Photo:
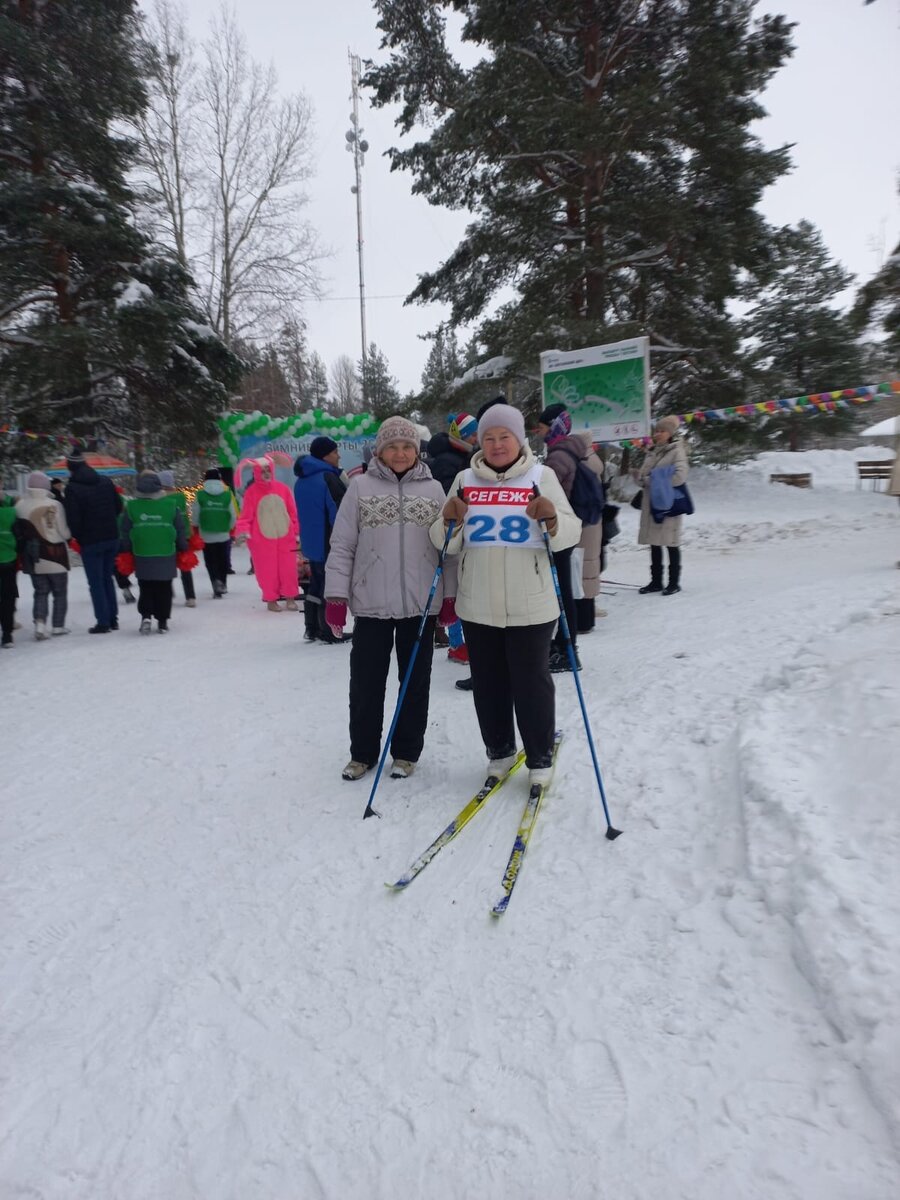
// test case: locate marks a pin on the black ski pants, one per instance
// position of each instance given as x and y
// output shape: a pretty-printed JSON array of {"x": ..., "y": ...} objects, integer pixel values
[
  {"x": 370, "y": 661},
  {"x": 511, "y": 676},
  {"x": 9, "y": 593},
  {"x": 155, "y": 598},
  {"x": 215, "y": 559}
]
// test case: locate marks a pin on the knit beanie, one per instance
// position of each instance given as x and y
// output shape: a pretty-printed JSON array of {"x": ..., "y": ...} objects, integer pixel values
[
  {"x": 396, "y": 429},
  {"x": 148, "y": 483},
  {"x": 503, "y": 416},
  {"x": 463, "y": 426},
  {"x": 669, "y": 424},
  {"x": 213, "y": 473},
  {"x": 550, "y": 413},
  {"x": 167, "y": 478},
  {"x": 75, "y": 455},
  {"x": 37, "y": 479},
  {"x": 322, "y": 446},
  {"x": 560, "y": 427}
]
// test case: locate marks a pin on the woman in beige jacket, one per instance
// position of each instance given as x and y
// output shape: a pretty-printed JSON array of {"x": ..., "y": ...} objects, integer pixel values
[
  {"x": 505, "y": 594},
  {"x": 664, "y": 453}
]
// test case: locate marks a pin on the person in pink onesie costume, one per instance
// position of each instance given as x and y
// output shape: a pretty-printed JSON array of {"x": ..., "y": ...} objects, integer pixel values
[{"x": 269, "y": 520}]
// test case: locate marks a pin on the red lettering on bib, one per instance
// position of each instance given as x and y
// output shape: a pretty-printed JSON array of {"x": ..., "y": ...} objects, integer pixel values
[{"x": 497, "y": 495}]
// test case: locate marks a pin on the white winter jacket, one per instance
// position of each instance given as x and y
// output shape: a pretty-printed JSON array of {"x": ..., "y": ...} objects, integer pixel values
[{"x": 499, "y": 586}]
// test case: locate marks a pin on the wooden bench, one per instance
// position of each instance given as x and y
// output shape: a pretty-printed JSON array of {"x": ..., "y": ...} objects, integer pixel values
[
  {"x": 797, "y": 479},
  {"x": 874, "y": 469}
]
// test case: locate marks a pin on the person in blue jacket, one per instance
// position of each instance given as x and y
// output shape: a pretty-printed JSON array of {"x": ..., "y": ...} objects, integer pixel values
[{"x": 318, "y": 492}]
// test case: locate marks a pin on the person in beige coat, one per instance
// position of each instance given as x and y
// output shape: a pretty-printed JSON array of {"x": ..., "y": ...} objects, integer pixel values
[
  {"x": 667, "y": 450},
  {"x": 505, "y": 594},
  {"x": 42, "y": 534}
]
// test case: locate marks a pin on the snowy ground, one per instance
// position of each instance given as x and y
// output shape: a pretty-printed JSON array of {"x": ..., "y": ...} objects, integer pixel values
[{"x": 208, "y": 993}]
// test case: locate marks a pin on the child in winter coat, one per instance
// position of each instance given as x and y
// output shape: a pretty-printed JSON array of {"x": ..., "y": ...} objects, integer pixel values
[
  {"x": 42, "y": 534},
  {"x": 506, "y": 597},
  {"x": 214, "y": 516},
  {"x": 153, "y": 531},
  {"x": 382, "y": 564}
]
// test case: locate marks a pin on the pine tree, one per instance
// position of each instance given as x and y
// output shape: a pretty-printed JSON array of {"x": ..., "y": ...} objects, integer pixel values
[
  {"x": 878, "y": 307},
  {"x": 380, "y": 389},
  {"x": 800, "y": 343},
  {"x": 605, "y": 150},
  {"x": 442, "y": 368},
  {"x": 294, "y": 360},
  {"x": 97, "y": 330},
  {"x": 318, "y": 381}
]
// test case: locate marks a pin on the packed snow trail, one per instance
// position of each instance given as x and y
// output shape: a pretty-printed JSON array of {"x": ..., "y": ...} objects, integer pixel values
[{"x": 207, "y": 991}]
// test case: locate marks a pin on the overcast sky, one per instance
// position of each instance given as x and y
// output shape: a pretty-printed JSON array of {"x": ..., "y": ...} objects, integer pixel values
[{"x": 835, "y": 100}]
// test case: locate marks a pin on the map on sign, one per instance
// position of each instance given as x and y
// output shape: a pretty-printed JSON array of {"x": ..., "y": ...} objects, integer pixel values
[{"x": 605, "y": 388}]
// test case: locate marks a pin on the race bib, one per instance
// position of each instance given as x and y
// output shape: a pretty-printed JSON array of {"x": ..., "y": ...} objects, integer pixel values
[{"x": 496, "y": 515}]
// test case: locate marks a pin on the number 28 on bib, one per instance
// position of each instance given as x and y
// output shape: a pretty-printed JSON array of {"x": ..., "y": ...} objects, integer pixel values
[{"x": 496, "y": 515}]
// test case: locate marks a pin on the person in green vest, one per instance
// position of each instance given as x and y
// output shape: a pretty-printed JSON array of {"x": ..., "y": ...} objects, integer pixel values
[
  {"x": 9, "y": 592},
  {"x": 167, "y": 479},
  {"x": 214, "y": 514},
  {"x": 154, "y": 532}
]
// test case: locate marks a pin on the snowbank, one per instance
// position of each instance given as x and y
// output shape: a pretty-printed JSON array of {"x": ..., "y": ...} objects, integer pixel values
[{"x": 207, "y": 993}]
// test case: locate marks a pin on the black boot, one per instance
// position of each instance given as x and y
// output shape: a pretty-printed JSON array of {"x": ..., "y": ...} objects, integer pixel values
[
  {"x": 656, "y": 572},
  {"x": 674, "y": 583}
]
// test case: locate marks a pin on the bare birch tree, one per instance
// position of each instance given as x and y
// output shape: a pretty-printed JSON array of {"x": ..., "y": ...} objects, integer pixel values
[
  {"x": 346, "y": 392},
  {"x": 168, "y": 127},
  {"x": 231, "y": 184}
]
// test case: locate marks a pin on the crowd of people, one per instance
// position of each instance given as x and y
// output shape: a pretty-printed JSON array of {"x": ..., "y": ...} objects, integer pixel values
[{"x": 497, "y": 544}]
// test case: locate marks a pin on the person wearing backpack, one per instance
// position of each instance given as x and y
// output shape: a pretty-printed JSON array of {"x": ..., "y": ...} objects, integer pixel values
[
  {"x": 566, "y": 455},
  {"x": 213, "y": 515},
  {"x": 42, "y": 534},
  {"x": 269, "y": 520},
  {"x": 154, "y": 533}
]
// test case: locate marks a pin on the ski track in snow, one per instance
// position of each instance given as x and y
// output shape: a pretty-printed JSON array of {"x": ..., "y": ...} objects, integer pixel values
[{"x": 208, "y": 993}]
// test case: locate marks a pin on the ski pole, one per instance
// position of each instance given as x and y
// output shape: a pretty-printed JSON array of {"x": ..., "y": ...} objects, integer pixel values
[
  {"x": 439, "y": 570},
  {"x": 611, "y": 833}
]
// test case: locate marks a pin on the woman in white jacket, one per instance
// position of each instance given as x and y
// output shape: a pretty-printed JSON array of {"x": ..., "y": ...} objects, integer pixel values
[{"x": 505, "y": 594}]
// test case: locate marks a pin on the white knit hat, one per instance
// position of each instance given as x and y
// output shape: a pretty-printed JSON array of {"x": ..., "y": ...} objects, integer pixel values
[
  {"x": 503, "y": 416},
  {"x": 396, "y": 429}
]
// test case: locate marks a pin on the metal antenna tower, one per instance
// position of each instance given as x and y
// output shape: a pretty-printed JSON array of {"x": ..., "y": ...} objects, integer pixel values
[{"x": 357, "y": 146}]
